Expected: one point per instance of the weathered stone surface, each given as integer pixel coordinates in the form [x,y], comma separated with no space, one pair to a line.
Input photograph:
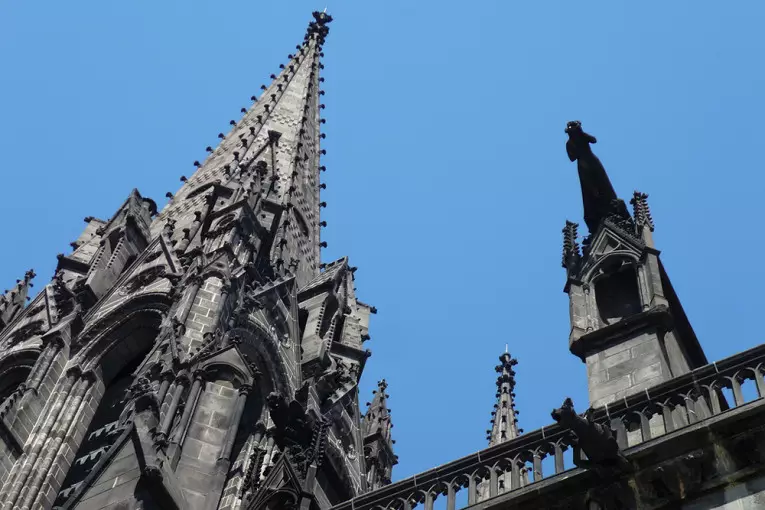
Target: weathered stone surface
[150,356]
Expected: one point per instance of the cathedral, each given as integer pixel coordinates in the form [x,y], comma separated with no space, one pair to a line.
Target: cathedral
[203,357]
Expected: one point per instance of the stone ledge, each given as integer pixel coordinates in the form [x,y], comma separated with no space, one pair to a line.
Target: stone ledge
[657,317]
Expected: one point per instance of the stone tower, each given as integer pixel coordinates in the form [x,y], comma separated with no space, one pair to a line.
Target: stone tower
[200,357]
[627,322]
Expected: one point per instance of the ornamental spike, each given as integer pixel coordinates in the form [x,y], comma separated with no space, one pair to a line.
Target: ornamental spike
[571,253]
[641,211]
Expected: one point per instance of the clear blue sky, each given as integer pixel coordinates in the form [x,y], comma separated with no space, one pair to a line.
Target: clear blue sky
[447,182]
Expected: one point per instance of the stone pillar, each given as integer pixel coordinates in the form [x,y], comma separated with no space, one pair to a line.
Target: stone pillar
[224,458]
[191,292]
[372,474]
[270,443]
[23,467]
[183,424]
[53,346]
[228,444]
[164,385]
[224,290]
[167,420]
[54,451]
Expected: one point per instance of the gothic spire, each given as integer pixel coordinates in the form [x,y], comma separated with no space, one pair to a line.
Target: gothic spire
[504,421]
[378,444]
[271,158]
[12,301]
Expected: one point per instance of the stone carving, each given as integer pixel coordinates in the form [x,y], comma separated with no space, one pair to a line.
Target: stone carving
[144,279]
[596,441]
[26,331]
[598,195]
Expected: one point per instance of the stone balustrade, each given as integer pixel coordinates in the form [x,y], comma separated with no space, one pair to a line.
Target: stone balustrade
[685,400]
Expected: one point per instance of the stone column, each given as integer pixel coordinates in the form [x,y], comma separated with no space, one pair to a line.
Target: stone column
[183,424]
[23,467]
[373,476]
[164,385]
[52,347]
[233,428]
[52,446]
[270,442]
[224,458]
[191,292]
[167,421]
[224,290]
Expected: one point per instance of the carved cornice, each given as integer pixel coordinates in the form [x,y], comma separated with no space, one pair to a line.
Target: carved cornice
[657,317]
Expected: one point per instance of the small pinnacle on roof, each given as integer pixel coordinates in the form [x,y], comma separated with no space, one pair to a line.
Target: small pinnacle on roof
[641,211]
[12,303]
[503,416]
[571,253]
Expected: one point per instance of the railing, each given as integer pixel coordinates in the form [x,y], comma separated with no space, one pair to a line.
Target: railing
[667,407]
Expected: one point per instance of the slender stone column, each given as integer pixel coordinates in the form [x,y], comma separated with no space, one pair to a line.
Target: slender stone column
[270,442]
[183,424]
[23,467]
[224,459]
[167,421]
[225,289]
[233,428]
[52,348]
[373,476]
[54,449]
[191,292]
[164,385]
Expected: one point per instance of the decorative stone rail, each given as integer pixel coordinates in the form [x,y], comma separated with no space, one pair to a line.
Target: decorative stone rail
[667,407]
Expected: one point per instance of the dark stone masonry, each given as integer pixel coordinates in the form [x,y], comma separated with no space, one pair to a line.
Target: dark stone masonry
[202,357]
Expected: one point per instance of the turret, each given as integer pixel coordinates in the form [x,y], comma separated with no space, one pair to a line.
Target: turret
[627,323]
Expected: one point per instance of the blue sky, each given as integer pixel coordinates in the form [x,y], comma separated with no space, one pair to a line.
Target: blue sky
[447,182]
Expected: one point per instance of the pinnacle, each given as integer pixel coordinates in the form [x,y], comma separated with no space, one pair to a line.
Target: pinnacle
[504,423]
[12,300]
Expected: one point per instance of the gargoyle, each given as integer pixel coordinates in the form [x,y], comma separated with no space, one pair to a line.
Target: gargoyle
[598,195]
[595,440]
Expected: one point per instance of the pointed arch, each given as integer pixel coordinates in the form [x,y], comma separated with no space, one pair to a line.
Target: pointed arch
[263,349]
[15,367]
[592,273]
[98,341]
[114,349]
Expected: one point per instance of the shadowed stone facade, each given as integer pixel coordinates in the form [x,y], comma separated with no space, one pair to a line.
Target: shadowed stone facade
[200,357]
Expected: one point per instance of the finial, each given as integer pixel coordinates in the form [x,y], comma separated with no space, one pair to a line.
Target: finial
[505,348]
[641,211]
[571,253]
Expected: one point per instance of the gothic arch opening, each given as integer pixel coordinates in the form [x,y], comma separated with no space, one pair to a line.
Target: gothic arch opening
[14,371]
[127,348]
[103,431]
[616,292]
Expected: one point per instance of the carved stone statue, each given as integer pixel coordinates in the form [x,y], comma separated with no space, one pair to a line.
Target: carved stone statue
[598,194]
[595,440]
